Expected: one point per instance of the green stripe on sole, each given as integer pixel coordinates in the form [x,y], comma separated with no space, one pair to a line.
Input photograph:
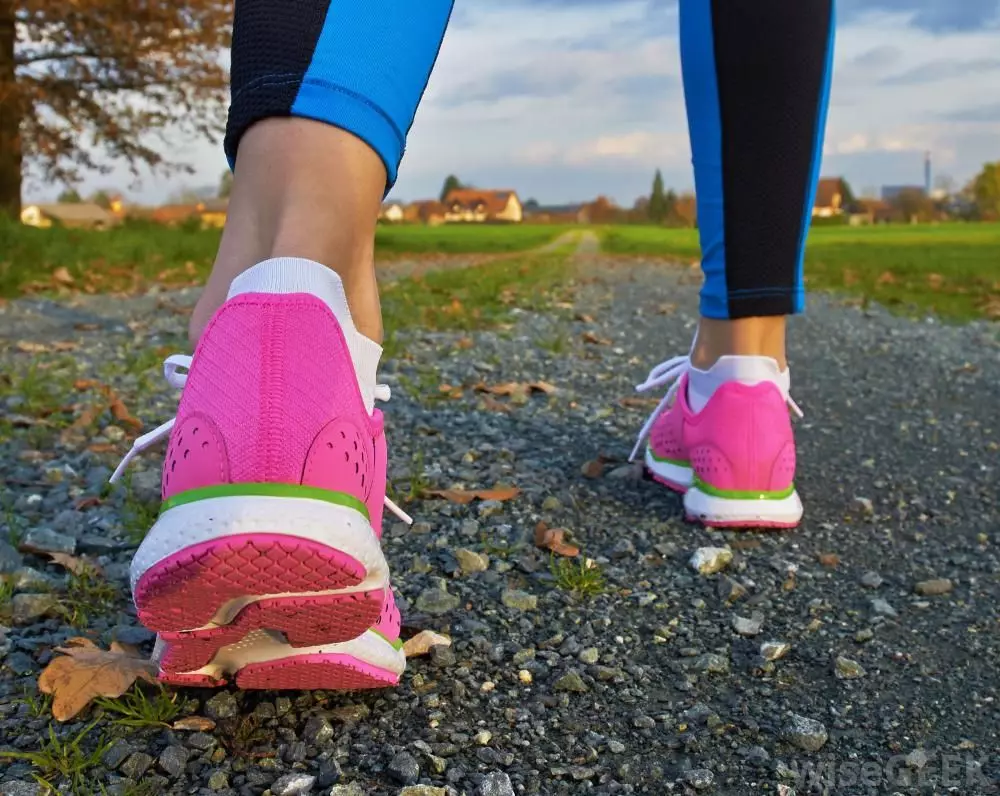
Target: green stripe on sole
[665,460]
[741,494]
[396,645]
[266,490]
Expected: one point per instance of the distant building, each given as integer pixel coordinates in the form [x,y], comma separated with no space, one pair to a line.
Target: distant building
[392,212]
[472,205]
[79,215]
[830,196]
[211,213]
[429,211]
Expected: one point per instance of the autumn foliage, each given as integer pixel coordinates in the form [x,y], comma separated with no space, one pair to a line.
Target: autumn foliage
[83,82]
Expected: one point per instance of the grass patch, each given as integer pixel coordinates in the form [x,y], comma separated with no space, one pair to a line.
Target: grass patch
[580,577]
[470,298]
[136,255]
[38,704]
[6,598]
[947,269]
[464,238]
[137,515]
[62,761]
[135,709]
[87,594]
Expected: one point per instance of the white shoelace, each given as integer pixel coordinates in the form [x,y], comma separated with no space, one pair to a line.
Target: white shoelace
[175,370]
[670,372]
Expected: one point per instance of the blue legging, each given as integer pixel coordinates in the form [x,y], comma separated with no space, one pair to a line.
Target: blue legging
[756,81]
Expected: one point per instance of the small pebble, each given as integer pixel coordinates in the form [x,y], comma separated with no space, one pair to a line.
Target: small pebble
[709,560]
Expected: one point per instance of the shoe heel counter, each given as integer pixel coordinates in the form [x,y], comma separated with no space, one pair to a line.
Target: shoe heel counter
[747,444]
[272,389]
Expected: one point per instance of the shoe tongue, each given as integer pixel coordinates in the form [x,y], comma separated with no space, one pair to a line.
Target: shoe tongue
[283,275]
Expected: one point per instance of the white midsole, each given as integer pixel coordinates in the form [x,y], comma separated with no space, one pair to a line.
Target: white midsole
[674,473]
[263,646]
[333,526]
[717,509]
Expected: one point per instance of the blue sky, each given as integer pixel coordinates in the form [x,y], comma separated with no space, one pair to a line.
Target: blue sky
[567,99]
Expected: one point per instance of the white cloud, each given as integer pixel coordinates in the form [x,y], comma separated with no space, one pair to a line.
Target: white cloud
[572,101]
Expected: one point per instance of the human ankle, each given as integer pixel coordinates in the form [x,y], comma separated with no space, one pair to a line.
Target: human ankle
[763,337]
[306,190]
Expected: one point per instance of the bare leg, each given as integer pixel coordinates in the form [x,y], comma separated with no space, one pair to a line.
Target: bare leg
[302,189]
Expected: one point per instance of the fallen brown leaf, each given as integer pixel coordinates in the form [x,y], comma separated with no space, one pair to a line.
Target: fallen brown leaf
[421,643]
[935,280]
[638,403]
[84,671]
[65,345]
[102,447]
[86,327]
[194,724]
[29,347]
[595,339]
[554,539]
[583,317]
[491,404]
[76,565]
[593,469]
[829,559]
[886,278]
[543,387]
[120,412]
[62,276]
[463,496]
[88,502]
[666,309]
[464,343]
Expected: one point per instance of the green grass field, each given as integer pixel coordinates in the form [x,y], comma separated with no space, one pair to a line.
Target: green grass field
[142,253]
[952,270]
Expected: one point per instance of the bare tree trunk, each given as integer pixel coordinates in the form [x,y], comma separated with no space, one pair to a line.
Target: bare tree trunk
[10,117]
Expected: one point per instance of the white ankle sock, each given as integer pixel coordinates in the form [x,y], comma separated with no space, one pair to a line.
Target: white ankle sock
[297,275]
[749,370]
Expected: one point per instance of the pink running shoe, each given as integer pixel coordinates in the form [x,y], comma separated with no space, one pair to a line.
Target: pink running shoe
[265,562]
[734,460]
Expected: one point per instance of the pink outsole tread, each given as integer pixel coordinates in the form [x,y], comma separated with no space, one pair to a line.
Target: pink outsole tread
[186,589]
[327,672]
[332,672]
[304,621]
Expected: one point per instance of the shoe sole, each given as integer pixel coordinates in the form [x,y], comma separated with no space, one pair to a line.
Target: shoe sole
[322,586]
[718,512]
[262,660]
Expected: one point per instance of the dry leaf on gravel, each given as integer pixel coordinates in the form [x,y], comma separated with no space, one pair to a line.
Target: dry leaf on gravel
[89,502]
[62,276]
[421,643]
[467,496]
[638,403]
[29,347]
[593,469]
[828,559]
[515,387]
[491,404]
[554,540]
[194,724]
[75,564]
[84,672]
[595,339]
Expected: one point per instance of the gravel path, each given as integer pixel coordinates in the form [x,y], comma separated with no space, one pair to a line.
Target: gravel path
[857,655]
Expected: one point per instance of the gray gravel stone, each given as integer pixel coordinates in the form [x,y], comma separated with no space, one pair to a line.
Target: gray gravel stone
[470,562]
[805,733]
[222,706]
[404,769]
[699,778]
[709,560]
[521,601]
[572,682]
[218,780]
[871,580]
[45,540]
[26,608]
[19,787]
[774,650]
[172,760]
[317,730]
[882,607]
[292,785]
[10,559]
[423,790]
[351,789]
[934,587]
[749,626]
[496,783]
[846,669]
[136,765]
[437,601]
